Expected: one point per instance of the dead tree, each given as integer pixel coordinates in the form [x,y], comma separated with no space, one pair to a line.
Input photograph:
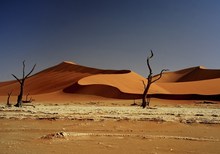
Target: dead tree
[21,82]
[8,99]
[149,82]
[27,97]
[26,100]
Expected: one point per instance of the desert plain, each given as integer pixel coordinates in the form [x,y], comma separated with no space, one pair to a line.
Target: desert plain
[78,109]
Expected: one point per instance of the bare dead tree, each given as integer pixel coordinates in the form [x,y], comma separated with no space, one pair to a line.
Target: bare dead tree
[8,99]
[21,82]
[26,100]
[149,82]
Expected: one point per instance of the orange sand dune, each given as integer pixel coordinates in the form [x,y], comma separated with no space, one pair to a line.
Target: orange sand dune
[195,80]
[68,78]
[72,78]
[190,74]
[191,83]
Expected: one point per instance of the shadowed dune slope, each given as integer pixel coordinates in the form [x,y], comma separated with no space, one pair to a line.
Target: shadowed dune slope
[113,85]
[128,83]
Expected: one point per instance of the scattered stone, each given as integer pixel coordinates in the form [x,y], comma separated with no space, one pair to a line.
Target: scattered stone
[55,135]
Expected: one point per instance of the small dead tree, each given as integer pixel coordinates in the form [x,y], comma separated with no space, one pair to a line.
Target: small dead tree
[21,82]
[149,82]
[8,99]
[26,100]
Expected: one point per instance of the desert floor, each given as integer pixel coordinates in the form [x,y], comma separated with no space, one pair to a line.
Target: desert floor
[97,127]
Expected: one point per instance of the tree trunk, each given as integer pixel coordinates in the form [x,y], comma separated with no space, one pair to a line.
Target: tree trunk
[8,100]
[19,99]
[144,96]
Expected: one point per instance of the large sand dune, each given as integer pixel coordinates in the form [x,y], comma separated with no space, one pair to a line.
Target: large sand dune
[68,79]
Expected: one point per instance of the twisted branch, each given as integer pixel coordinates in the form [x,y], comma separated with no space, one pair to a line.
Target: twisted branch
[161,73]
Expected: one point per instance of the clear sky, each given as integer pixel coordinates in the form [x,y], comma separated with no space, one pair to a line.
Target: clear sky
[109,34]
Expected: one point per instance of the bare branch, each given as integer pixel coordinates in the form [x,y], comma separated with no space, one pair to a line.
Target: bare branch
[161,73]
[23,69]
[16,78]
[148,63]
[152,54]
[30,71]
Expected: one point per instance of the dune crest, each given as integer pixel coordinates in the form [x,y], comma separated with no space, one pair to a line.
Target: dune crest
[69,62]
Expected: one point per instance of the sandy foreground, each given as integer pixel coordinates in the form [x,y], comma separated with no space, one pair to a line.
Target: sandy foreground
[92,128]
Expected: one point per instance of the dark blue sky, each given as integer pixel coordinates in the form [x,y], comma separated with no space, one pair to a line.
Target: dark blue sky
[109,34]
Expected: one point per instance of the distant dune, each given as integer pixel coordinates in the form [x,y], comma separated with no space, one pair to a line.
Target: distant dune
[68,79]
[191,83]
[190,74]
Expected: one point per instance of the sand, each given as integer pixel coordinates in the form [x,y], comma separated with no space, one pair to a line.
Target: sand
[95,128]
